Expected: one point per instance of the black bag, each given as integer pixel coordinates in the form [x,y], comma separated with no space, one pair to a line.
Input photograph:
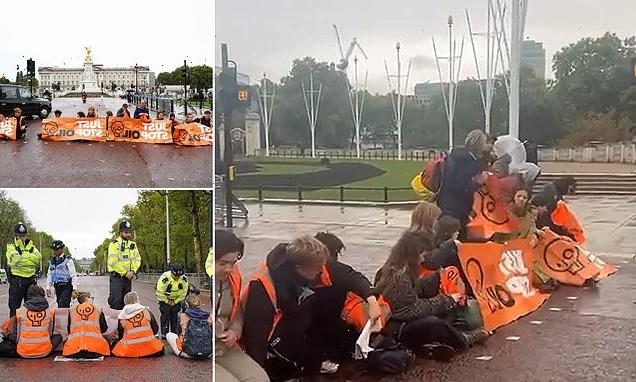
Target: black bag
[391,360]
[197,342]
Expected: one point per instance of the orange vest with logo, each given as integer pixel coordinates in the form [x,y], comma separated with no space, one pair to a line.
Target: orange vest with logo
[264,277]
[138,339]
[565,217]
[356,311]
[34,332]
[85,332]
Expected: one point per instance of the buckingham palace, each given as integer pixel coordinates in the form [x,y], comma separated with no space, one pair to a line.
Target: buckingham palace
[123,78]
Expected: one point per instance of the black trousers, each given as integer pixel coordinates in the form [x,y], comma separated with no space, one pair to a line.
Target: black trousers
[18,287]
[119,286]
[169,317]
[63,293]
[428,330]
[8,348]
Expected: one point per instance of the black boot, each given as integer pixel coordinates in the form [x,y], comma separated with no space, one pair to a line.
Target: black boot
[474,337]
[436,351]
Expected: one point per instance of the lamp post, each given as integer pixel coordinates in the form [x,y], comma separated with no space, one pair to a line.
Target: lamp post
[136,82]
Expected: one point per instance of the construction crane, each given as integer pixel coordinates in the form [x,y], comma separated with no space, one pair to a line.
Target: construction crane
[344,58]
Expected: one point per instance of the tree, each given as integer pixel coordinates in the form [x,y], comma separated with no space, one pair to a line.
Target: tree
[600,126]
[23,80]
[201,77]
[4,80]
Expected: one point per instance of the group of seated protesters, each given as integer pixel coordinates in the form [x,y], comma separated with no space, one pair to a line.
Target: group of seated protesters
[295,317]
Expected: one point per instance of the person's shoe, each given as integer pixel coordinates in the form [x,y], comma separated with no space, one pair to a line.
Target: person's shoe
[478,336]
[437,352]
[328,367]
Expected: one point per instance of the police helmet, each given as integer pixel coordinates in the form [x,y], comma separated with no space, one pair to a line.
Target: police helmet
[57,244]
[177,269]
[125,226]
[20,229]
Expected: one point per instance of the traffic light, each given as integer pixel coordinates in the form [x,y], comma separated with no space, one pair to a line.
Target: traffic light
[228,90]
[184,72]
[31,67]
[243,95]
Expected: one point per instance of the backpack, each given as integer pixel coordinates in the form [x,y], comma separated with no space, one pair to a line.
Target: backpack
[390,360]
[429,182]
[197,342]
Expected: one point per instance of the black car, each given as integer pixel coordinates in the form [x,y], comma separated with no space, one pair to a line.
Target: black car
[12,96]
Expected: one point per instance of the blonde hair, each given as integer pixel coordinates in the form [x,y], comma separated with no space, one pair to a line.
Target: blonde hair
[131,298]
[424,217]
[83,296]
[193,300]
[307,250]
[476,142]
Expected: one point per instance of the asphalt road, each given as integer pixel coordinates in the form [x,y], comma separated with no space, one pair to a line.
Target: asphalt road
[591,339]
[168,367]
[36,163]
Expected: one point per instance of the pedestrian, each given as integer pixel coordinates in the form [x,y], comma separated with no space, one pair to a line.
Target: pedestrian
[184,343]
[123,262]
[29,334]
[58,113]
[123,111]
[142,110]
[137,328]
[62,276]
[86,326]
[209,269]
[19,123]
[23,259]
[206,119]
[172,288]
[91,113]
[80,114]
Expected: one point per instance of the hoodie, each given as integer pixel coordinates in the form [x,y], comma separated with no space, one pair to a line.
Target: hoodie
[130,311]
[36,304]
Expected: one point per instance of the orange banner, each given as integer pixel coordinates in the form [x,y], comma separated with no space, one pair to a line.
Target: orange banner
[193,134]
[501,278]
[8,129]
[74,129]
[569,263]
[491,208]
[135,130]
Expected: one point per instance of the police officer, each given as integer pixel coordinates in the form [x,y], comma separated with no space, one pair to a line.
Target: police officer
[209,267]
[22,259]
[62,275]
[172,288]
[123,262]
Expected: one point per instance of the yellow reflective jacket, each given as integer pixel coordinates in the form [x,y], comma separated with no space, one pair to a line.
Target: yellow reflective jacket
[23,258]
[170,289]
[123,256]
[209,265]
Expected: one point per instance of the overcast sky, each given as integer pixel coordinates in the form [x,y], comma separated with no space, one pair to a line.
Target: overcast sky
[81,218]
[265,36]
[158,33]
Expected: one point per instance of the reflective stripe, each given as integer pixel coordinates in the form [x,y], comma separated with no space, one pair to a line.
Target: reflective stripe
[25,328]
[139,329]
[87,334]
[34,340]
[138,340]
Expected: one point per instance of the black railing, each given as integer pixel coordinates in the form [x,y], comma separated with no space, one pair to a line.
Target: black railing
[412,155]
[339,193]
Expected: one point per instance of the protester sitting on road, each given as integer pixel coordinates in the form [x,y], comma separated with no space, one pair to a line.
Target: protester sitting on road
[80,114]
[85,327]
[58,113]
[415,319]
[424,216]
[91,113]
[231,362]
[278,309]
[136,329]
[141,111]
[161,115]
[189,118]
[174,122]
[463,175]
[23,336]
[20,123]
[544,216]
[194,339]
[109,113]
[123,111]
[206,119]
[331,332]
[172,287]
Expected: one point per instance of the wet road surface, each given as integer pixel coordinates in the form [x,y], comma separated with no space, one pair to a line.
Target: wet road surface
[591,339]
[111,369]
[39,163]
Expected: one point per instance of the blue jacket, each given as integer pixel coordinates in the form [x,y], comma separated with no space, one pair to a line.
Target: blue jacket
[456,194]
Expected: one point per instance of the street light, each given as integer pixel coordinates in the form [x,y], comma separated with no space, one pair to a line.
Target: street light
[136,83]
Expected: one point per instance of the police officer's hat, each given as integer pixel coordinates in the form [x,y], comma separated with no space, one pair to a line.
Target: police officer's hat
[57,244]
[125,225]
[20,229]
[177,269]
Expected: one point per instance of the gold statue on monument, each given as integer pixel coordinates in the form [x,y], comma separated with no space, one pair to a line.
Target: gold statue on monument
[88,57]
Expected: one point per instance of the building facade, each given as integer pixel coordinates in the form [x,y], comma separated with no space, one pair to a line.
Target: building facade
[533,57]
[123,78]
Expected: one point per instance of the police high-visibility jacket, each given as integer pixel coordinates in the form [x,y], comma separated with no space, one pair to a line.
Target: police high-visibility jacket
[123,256]
[85,332]
[209,266]
[138,340]
[170,289]
[356,311]
[262,275]
[565,217]
[34,332]
[23,258]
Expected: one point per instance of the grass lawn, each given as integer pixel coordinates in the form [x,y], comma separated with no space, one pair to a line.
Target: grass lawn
[398,174]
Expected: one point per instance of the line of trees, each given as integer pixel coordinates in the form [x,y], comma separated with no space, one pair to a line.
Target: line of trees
[189,230]
[592,97]
[200,77]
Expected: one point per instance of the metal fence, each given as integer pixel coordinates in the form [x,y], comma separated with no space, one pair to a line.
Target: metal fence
[341,192]
[416,155]
[200,281]
[155,103]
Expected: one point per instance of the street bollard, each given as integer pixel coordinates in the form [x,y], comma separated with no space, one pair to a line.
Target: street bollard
[386,194]
[341,194]
[260,193]
[300,194]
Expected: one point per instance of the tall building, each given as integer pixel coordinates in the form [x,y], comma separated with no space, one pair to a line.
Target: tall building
[533,57]
[123,78]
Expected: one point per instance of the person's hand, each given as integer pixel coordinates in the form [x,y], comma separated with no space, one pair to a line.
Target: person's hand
[374,309]
[229,338]
[534,240]
[129,275]
[458,298]
[171,302]
[48,293]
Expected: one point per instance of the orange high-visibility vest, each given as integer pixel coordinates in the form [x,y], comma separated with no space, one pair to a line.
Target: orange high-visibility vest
[423,271]
[356,311]
[565,217]
[264,277]
[451,282]
[235,284]
[34,333]
[138,341]
[85,332]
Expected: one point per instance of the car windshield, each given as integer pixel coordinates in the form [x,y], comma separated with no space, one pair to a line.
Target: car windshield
[25,93]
